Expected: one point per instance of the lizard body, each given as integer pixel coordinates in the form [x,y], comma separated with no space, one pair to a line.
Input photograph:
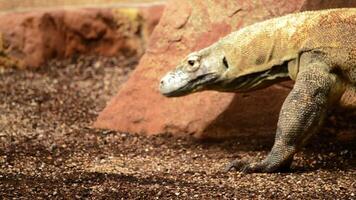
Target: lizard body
[317,49]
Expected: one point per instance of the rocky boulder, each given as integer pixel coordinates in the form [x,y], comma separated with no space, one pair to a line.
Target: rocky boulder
[29,39]
[187,26]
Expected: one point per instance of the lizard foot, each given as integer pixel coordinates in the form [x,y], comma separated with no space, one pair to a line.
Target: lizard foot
[246,166]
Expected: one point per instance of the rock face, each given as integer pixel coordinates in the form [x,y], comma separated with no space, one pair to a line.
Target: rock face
[32,38]
[187,26]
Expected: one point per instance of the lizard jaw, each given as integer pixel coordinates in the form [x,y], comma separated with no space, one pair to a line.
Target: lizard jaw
[172,82]
[175,86]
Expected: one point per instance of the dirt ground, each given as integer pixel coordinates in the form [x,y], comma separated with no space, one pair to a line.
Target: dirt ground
[49,151]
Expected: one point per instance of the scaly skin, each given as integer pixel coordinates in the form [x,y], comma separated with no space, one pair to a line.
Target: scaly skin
[316,49]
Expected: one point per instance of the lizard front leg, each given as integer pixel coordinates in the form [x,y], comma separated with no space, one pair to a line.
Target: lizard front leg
[301,115]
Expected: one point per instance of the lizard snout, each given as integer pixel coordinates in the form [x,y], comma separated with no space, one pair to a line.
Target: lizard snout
[171,83]
[165,84]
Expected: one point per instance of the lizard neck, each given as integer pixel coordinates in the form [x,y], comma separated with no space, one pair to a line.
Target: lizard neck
[255,81]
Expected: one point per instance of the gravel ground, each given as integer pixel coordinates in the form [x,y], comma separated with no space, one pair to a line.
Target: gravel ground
[49,151]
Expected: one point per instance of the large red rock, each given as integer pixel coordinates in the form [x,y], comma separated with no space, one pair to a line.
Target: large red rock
[33,38]
[151,16]
[187,26]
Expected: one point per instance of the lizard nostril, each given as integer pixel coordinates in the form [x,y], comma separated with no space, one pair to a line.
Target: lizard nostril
[162,82]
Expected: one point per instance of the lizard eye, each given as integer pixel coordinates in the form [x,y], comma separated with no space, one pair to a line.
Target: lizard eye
[193,66]
[191,62]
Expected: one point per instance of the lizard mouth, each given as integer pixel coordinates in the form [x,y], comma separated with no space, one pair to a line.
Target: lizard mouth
[187,86]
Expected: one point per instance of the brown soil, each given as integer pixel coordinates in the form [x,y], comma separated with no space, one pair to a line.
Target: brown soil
[49,151]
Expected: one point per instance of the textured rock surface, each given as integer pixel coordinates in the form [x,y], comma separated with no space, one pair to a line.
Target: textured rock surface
[30,5]
[33,38]
[184,27]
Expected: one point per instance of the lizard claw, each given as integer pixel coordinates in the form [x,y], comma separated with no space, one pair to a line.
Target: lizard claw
[238,165]
[246,166]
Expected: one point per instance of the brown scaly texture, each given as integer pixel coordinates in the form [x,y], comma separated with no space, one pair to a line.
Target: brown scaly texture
[278,40]
[316,49]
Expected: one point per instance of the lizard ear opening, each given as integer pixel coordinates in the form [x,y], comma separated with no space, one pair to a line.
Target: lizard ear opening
[225,63]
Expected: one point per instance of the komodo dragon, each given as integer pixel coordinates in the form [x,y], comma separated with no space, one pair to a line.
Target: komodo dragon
[317,49]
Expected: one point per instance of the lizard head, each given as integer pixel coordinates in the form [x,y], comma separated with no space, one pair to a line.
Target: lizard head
[197,72]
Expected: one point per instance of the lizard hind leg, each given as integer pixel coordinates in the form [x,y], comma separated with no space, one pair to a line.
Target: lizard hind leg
[301,116]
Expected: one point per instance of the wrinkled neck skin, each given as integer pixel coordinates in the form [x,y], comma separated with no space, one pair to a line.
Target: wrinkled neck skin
[243,79]
[253,81]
